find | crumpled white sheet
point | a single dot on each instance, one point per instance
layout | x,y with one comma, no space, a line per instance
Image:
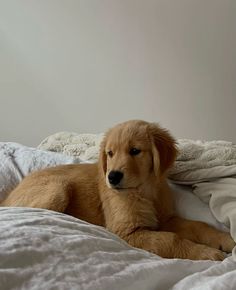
210,169
41,249
17,161
221,197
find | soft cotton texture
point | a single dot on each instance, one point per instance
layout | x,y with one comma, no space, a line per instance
41,249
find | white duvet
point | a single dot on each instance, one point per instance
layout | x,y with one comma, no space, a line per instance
42,249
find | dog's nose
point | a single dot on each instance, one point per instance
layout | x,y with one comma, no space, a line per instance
115,177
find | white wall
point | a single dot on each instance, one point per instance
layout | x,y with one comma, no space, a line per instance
84,65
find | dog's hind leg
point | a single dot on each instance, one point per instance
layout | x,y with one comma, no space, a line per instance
53,196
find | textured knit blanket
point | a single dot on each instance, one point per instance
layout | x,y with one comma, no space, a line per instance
84,146
197,160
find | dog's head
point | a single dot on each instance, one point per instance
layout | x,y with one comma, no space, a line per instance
134,151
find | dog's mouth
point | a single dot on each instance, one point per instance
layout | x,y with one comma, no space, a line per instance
122,188
117,187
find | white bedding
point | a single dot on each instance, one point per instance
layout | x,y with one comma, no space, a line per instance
41,249
17,161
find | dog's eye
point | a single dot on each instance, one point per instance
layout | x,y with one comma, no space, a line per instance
110,153
134,151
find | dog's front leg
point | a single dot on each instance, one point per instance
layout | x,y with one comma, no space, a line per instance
170,245
199,232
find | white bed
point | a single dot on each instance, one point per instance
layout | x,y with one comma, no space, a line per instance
42,249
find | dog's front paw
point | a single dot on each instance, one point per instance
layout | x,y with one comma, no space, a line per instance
212,254
226,243
202,252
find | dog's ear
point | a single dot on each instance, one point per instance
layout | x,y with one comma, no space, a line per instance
163,149
102,161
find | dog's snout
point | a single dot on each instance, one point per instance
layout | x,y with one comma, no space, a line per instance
115,177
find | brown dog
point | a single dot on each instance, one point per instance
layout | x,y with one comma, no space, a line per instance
126,192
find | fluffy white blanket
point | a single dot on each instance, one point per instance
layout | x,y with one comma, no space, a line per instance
203,161
47,250
84,146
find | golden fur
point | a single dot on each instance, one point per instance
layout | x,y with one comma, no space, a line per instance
140,208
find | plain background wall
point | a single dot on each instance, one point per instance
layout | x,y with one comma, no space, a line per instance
84,65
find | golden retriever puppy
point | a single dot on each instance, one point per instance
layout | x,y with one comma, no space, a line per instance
126,192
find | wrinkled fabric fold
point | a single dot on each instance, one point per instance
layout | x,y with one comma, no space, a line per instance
41,249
